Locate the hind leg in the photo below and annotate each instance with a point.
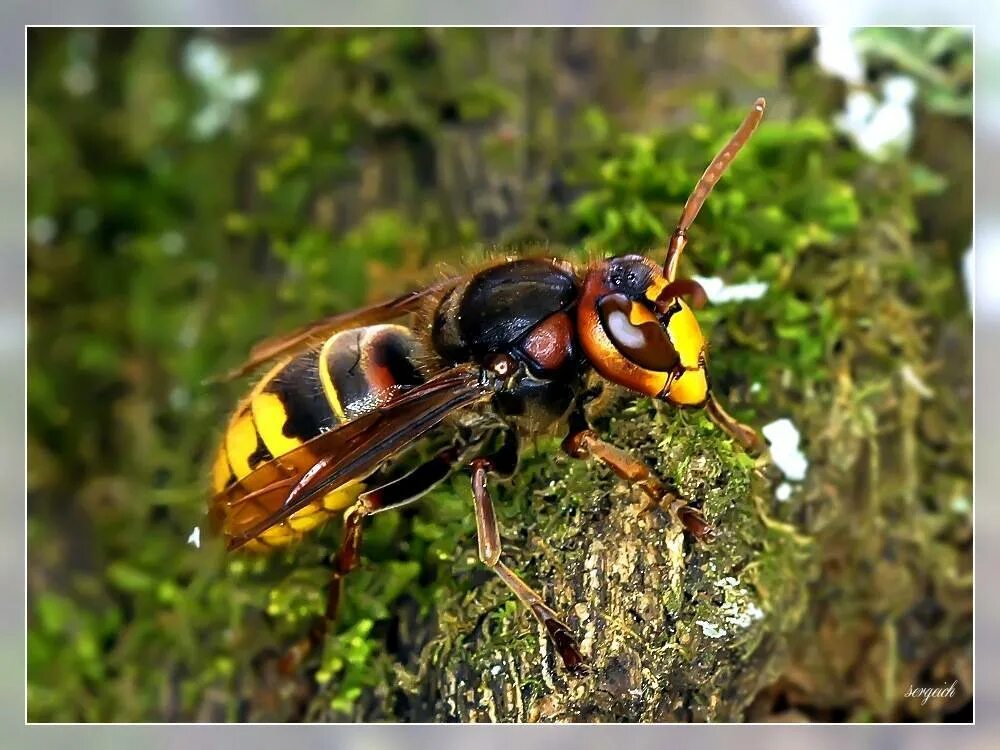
(389, 496)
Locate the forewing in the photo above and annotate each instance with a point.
(319, 330)
(356, 448)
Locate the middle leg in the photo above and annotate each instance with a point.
(490, 547)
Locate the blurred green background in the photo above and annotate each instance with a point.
(191, 192)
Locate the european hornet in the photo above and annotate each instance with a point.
(513, 349)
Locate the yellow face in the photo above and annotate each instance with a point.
(633, 339)
(691, 387)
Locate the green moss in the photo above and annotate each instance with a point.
(939, 59)
(706, 620)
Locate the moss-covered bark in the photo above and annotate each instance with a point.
(175, 220)
(673, 630)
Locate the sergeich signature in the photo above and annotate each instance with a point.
(926, 693)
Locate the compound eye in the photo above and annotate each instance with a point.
(637, 334)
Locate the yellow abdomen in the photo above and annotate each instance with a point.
(352, 373)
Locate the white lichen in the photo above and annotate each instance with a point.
(225, 90)
(881, 128)
(738, 609)
(710, 629)
(719, 292)
(784, 441)
(838, 55)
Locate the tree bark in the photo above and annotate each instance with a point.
(673, 630)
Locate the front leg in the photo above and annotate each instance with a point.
(583, 442)
(743, 434)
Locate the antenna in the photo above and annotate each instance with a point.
(711, 176)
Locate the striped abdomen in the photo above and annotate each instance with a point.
(353, 372)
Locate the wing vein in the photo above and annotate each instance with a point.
(362, 444)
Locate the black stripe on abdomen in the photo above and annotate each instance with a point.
(307, 410)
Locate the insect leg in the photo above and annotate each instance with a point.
(583, 442)
(489, 553)
(743, 434)
(389, 496)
